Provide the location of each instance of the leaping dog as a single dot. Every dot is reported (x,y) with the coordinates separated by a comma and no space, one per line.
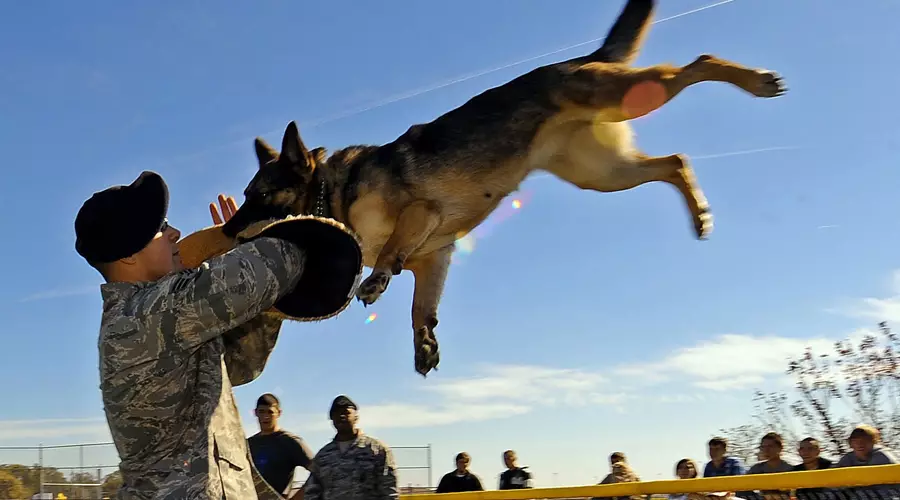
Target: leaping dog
(410,199)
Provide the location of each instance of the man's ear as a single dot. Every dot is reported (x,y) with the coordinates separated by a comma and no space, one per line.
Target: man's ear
(264,152)
(294,151)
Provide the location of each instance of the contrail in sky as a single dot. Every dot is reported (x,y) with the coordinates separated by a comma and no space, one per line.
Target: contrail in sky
(424,90)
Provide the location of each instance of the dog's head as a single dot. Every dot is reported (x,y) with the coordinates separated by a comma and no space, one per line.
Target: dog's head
(283,185)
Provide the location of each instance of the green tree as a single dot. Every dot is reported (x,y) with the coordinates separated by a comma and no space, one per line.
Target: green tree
(112,483)
(11,486)
(30,477)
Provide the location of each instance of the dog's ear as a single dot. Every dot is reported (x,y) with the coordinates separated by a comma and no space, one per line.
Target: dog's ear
(293,149)
(264,152)
(318,154)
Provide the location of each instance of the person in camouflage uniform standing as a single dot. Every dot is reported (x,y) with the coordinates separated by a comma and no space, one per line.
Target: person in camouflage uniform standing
(353,466)
(173,342)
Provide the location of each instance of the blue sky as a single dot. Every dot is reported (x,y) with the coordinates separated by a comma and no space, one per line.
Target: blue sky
(584,324)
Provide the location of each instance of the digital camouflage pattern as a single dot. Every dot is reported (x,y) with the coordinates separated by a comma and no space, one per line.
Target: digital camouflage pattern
(170,352)
(365,471)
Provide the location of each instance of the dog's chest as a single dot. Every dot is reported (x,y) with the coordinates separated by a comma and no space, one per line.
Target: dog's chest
(371,220)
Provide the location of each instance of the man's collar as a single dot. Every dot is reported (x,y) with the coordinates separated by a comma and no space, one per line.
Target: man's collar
(114,290)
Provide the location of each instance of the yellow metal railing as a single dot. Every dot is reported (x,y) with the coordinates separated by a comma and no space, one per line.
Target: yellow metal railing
(843,477)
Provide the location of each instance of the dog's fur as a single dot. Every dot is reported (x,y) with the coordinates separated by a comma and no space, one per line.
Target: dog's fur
(410,199)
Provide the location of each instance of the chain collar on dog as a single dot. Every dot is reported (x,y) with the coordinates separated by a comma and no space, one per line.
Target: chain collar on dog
(319,207)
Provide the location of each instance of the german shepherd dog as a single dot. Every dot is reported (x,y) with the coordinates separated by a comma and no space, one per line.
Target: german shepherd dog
(411,199)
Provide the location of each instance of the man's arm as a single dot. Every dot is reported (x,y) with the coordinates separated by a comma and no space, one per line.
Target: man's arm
(387,479)
(248,347)
(198,305)
(301,454)
(312,489)
(478,486)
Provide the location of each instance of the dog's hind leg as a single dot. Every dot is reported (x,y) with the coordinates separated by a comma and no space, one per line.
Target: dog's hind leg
(589,164)
(430,272)
(413,227)
(620,93)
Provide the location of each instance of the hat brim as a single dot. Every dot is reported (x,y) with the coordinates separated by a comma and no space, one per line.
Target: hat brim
(331,273)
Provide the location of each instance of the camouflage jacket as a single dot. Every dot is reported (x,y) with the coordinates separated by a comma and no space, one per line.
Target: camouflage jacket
(170,352)
(364,471)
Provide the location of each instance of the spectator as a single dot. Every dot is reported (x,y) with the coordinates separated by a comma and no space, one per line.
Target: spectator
(277,453)
(514,477)
(865,441)
(684,469)
(771,446)
(720,464)
(353,466)
(809,450)
(460,479)
(620,472)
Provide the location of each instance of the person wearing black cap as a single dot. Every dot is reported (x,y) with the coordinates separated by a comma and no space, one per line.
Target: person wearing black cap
(353,466)
(174,341)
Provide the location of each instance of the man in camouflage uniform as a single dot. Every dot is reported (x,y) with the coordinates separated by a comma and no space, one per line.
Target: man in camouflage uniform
(174,341)
(353,466)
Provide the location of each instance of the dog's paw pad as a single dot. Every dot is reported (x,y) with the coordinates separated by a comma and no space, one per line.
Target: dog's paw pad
(372,287)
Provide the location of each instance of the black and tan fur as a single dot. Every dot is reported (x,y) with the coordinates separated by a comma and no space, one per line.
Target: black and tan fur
(410,199)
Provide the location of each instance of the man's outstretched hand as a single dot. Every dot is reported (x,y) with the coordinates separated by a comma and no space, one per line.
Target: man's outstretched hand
(229,207)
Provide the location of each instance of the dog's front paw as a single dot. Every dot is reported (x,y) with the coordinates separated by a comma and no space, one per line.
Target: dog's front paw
(770,84)
(372,287)
(427,354)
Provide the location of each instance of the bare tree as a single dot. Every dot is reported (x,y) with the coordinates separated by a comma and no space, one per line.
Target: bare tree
(743,441)
(856,383)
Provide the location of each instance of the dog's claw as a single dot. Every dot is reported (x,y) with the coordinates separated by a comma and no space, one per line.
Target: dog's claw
(770,84)
(703,225)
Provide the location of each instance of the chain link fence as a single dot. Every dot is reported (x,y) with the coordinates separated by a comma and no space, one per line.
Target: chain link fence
(83,471)
(77,471)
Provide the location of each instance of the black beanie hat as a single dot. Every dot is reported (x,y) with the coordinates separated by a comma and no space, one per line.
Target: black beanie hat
(120,221)
(341,402)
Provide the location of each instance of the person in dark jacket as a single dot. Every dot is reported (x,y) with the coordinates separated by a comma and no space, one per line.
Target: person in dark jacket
(460,479)
(809,450)
(514,477)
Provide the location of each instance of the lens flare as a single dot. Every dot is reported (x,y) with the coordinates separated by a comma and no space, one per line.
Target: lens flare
(465,242)
(371,318)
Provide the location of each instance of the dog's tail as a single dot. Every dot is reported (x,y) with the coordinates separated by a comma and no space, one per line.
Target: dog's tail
(624,40)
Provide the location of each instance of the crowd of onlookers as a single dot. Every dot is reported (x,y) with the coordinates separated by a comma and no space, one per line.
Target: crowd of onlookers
(864,441)
(357,466)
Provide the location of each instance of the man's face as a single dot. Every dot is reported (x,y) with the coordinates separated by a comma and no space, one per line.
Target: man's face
(344,418)
(462,464)
(267,416)
(769,449)
(160,257)
(862,446)
(510,460)
(716,451)
(809,452)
